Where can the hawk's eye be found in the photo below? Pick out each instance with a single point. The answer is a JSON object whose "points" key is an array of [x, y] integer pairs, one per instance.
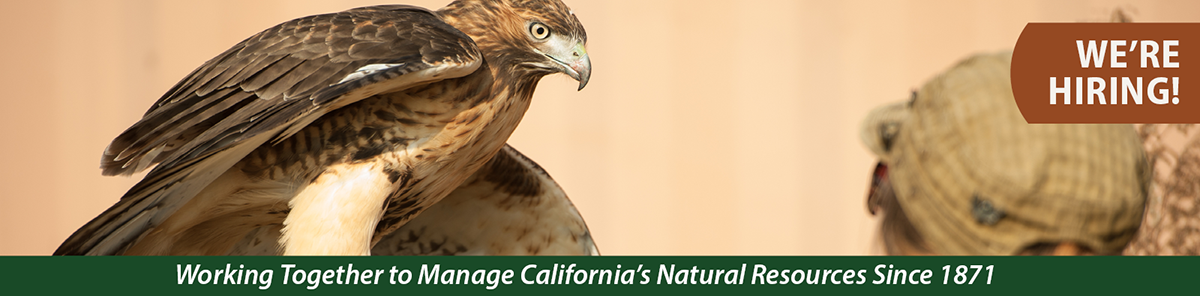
{"points": [[539, 31]]}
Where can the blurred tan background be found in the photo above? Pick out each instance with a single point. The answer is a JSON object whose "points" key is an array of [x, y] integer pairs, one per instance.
{"points": [[709, 127]]}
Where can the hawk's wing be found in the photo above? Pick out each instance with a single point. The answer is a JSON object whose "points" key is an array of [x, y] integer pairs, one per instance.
{"points": [[266, 88], [508, 207]]}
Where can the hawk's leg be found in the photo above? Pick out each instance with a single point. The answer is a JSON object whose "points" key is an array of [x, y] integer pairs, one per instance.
{"points": [[336, 214]]}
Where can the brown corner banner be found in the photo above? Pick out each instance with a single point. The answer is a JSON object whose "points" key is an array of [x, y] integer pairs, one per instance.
{"points": [[1107, 73]]}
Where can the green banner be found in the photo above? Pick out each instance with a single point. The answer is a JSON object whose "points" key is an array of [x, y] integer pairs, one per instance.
{"points": [[597, 275]]}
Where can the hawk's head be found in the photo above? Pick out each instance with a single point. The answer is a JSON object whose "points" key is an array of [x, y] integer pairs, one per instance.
{"points": [[538, 37]]}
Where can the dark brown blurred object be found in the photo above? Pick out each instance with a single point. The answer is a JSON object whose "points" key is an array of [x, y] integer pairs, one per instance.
{"points": [[1171, 225], [1120, 16]]}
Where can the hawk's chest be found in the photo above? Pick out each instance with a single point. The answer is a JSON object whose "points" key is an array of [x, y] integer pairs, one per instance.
{"points": [[434, 167], [390, 126], [424, 141]]}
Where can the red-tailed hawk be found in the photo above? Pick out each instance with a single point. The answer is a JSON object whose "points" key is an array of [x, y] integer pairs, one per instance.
{"points": [[327, 133]]}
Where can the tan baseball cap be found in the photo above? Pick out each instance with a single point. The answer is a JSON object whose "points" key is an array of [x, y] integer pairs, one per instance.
{"points": [[974, 178]]}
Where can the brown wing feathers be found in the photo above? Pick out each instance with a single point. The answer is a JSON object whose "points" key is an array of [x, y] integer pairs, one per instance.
{"points": [[268, 82], [281, 65]]}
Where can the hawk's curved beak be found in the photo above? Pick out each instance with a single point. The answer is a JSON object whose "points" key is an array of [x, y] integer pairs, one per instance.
{"points": [[575, 63], [582, 67]]}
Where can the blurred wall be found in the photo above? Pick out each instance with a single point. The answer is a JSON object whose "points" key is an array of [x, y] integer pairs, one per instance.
{"points": [[709, 127]]}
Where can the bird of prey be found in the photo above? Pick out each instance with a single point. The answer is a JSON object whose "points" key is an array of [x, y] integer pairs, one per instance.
{"points": [[324, 134]]}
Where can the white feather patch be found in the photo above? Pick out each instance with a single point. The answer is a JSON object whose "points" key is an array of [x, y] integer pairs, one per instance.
{"points": [[336, 215], [367, 70]]}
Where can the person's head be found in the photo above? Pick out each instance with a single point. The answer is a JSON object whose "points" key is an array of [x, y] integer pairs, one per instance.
{"points": [[961, 172]]}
